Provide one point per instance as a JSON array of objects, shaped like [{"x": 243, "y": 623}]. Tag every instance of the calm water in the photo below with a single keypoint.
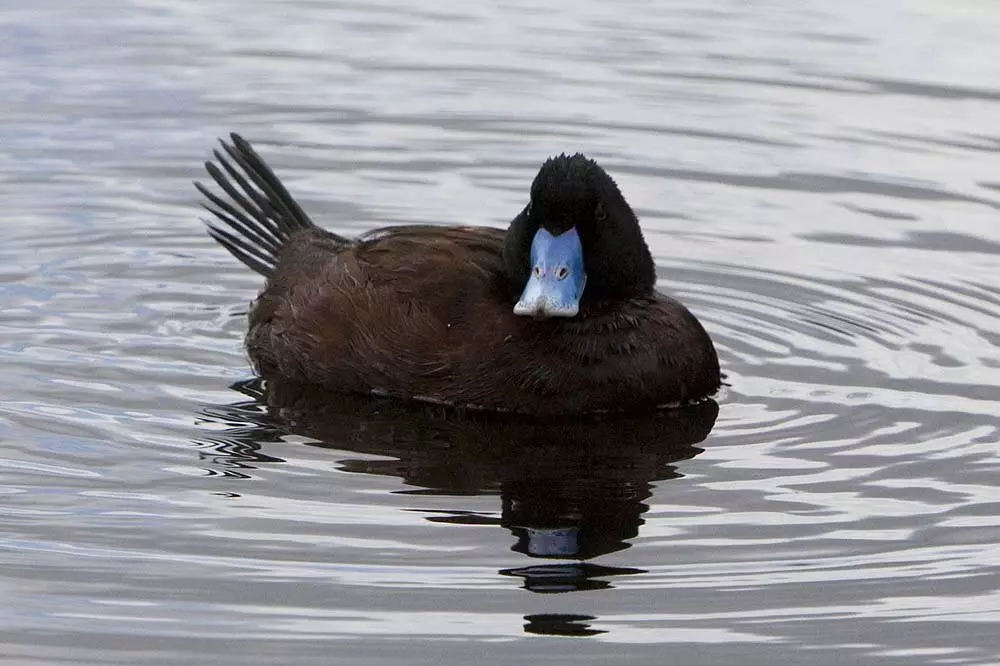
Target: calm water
[{"x": 819, "y": 181}]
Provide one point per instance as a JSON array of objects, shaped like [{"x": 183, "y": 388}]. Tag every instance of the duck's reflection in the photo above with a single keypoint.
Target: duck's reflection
[
  {"x": 557, "y": 624},
  {"x": 570, "y": 489},
  {"x": 568, "y": 577}
]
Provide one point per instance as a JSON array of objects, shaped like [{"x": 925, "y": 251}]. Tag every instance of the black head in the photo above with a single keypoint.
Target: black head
[{"x": 574, "y": 194}]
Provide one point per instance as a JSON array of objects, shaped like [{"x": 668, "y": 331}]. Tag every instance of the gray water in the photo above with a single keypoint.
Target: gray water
[{"x": 819, "y": 181}]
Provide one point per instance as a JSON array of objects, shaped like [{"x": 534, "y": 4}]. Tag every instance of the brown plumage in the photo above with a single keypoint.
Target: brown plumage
[{"x": 425, "y": 312}]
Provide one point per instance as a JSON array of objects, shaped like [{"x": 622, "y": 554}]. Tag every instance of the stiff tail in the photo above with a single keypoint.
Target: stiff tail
[{"x": 259, "y": 216}]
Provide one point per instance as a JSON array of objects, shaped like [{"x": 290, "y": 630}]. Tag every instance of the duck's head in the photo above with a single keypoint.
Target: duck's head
[{"x": 577, "y": 239}]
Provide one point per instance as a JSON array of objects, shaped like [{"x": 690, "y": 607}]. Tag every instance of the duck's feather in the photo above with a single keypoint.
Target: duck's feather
[{"x": 262, "y": 215}]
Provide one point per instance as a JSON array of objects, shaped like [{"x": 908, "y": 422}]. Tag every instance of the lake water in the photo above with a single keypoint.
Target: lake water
[{"x": 819, "y": 181}]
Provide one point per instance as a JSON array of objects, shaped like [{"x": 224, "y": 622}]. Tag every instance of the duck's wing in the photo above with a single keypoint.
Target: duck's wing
[
  {"x": 402, "y": 310},
  {"x": 257, "y": 216}
]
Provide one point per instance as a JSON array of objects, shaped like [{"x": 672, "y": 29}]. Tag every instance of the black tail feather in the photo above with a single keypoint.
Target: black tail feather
[{"x": 260, "y": 215}]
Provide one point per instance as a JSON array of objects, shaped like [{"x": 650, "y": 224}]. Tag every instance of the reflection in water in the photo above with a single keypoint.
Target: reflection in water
[
  {"x": 236, "y": 450},
  {"x": 570, "y": 577},
  {"x": 556, "y": 624},
  {"x": 232, "y": 455},
  {"x": 569, "y": 489}
]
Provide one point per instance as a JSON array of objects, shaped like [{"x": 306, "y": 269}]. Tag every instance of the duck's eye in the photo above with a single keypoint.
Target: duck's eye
[
  {"x": 537, "y": 270},
  {"x": 600, "y": 213},
  {"x": 561, "y": 273}
]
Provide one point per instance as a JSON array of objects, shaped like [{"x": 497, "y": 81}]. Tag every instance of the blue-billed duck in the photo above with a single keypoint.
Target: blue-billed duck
[{"x": 556, "y": 315}]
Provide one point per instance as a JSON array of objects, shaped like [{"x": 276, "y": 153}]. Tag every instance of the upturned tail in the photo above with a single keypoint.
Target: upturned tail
[{"x": 259, "y": 216}]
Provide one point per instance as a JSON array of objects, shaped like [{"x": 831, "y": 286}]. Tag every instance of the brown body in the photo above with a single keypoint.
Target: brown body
[
  {"x": 426, "y": 312},
  {"x": 422, "y": 312}
]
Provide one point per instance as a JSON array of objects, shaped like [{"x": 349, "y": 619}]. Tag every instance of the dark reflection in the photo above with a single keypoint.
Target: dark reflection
[
  {"x": 236, "y": 451},
  {"x": 555, "y": 624},
  {"x": 570, "y": 577},
  {"x": 570, "y": 489}
]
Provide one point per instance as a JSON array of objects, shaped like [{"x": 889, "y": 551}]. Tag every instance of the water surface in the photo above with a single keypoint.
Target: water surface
[{"x": 819, "y": 183}]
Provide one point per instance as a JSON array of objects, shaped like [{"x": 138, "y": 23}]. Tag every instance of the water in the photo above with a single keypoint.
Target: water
[{"x": 818, "y": 181}]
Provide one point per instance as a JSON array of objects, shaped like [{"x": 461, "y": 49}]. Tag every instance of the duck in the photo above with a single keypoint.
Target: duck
[{"x": 556, "y": 315}]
